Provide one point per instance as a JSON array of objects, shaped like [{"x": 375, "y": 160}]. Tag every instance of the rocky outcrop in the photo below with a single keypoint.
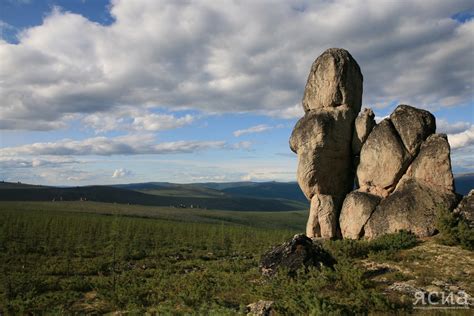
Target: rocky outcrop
[
  {"x": 426, "y": 187},
  {"x": 412, "y": 207},
  {"x": 323, "y": 137},
  {"x": 402, "y": 168},
  {"x": 409, "y": 168},
  {"x": 298, "y": 253},
  {"x": 466, "y": 209}
]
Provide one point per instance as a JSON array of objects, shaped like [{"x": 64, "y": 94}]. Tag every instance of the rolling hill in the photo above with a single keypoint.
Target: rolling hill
[
  {"x": 235, "y": 196},
  {"x": 152, "y": 195}
]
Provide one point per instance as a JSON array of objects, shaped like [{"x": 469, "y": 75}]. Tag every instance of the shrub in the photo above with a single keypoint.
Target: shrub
[
  {"x": 393, "y": 242},
  {"x": 454, "y": 230},
  {"x": 386, "y": 245}
]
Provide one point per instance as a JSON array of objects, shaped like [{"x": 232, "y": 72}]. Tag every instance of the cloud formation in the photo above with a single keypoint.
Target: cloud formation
[
  {"x": 443, "y": 126},
  {"x": 121, "y": 172},
  {"x": 462, "y": 139},
  {"x": 230, "y": 57},
  {"x": 103, "y": 146},
  {"x": 21, "y": 162},
  {"x": 134, "y": 119},
  {"x": 251, "y": 130}
]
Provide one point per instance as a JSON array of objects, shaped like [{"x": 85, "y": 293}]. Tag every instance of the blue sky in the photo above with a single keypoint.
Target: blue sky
[{"x": 132, "y": 91}]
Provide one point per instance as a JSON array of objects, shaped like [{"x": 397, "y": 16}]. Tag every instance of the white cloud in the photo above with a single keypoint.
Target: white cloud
[
  {"x": 214, "y": 178},
  {"x": 268, "y": 175},
  {"x": 133, "y": 119},
  {"x": 251, "y": 130},
  {"x": 242, "y": 145},
  {"x": 463, "y": 159},
  {"x": 443, "y": 126},
  {"x": 134, "y": 144},
  {"x": 379, "y": 119},
  {"x": 28, "y": 162},
  {"x": 121, "y": 173},
  {"x": 292, "y": 112},
  {"x": 231, "y": 57},
  {"x": 462, "y": 139},
  {"x": 158, "y": 122}
]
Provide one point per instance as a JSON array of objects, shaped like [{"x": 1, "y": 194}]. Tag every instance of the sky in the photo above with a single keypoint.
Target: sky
[{"x": 102, "y": 92}]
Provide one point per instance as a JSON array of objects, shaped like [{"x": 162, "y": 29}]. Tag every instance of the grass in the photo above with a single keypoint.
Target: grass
[
  {"x": 294, "y": 220},
  {"x": 73, "y": 257}
]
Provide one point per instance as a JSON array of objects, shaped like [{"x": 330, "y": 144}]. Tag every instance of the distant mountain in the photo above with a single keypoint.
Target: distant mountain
[
  {"x": 275, "y": 190},
  {"x": 173, "y": 189},
  {"x": 464, "y": 183},
  {"x": 272, "y": 190},
  {"x": 290, "y": 190},
  {"x": 185, "y": 196},
  {"x": 236, "y": 196}
]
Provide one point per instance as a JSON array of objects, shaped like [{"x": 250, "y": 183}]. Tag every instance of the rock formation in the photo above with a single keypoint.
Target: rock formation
[
  {"x": 299, "y": 252},
  {"x": 466, "y": 209},
  {"x": 402, "y": 168},
  {"x": 323, "y": 138},
  {"x": 409, "y": 167}
]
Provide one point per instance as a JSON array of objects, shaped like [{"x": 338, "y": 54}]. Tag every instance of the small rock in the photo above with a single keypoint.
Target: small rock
[
  {"x": 404, "y": 287},
  {"x": 433, "y": 289},
  {"x": 261, "y": 308}
]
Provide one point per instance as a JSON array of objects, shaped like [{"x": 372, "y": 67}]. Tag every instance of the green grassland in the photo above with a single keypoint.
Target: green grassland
[
  {"x": 294, "y": 220},
  {"x": 87, "y": 257}
]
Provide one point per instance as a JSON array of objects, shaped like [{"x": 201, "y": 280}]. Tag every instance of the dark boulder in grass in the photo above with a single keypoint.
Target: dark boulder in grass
[{"x": 297, "y": 253}]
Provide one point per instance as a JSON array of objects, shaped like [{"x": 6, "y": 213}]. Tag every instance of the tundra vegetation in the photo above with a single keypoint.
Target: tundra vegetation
[{"x": 61, "y": 260}]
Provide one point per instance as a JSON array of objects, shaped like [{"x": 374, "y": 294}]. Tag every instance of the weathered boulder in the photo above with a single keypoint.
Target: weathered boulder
[
  {"x": 323, "y": 215},
  {"x": 335, "y": 79},
  {"x": 412, "y": 207},
  {"x": 261, "y": 308},
  {"x": 364, "y": 123},
  {"x": 321, "y": 139},
  {"x": 383, "y": 160},
  {"x": 294, "y": 254},
  {"x": 413, "y": 125},
  {"x": 355, "y": 212},
  {"x": 432, "y": 166},
  {"x": 465, "y": 208}
]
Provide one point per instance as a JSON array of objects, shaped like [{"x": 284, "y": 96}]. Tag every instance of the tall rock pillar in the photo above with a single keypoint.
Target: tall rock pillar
[{"x": 322, "y": 138}]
